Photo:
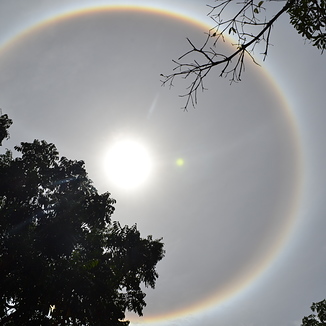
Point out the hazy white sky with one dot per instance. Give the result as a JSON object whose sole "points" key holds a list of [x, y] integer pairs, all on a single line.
{"points": [[243, 218]]}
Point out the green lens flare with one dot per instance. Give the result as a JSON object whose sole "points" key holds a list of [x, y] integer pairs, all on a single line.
{"points": [[180, 162]]}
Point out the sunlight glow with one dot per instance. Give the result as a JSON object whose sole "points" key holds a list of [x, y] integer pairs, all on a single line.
{"points": [[128, 164]]}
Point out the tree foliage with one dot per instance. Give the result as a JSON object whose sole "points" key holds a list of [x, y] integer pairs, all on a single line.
{"points": [[318, 318], [63, 261], [309, 19], [251, 24]]}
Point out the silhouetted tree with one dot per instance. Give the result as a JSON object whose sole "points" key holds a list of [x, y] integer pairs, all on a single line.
{"points": [[62, 260], [318, 319], [250, 23]]}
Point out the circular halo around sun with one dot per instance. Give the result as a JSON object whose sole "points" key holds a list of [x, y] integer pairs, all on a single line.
{"points": [[128, 164]]}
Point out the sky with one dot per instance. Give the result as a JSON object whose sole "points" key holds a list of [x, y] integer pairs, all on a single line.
{"points": [[235, 187]]}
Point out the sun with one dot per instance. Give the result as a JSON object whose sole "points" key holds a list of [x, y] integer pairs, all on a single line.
{"points": [[128, 164]]}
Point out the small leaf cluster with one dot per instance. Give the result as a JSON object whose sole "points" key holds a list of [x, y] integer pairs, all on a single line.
{"points": [[309, 19], [259, 5], [318, 318], [5, 123]]}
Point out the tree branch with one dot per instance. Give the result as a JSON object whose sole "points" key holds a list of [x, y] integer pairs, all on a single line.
{"points": [[197, 71]]}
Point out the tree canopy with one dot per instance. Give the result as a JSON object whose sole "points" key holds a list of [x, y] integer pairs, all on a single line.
{"points": [[251, 24], [63, 261]]}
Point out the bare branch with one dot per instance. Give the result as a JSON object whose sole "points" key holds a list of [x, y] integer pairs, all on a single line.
{"points": [[233, 65]]}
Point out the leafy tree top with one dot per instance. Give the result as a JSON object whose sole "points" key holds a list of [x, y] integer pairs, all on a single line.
{"points": [[63, 260]]}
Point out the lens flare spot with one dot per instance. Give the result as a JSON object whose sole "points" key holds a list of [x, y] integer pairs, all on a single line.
{"points": [[180, 162]]}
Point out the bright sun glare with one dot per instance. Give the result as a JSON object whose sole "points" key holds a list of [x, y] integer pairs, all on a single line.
{"points": [[128, 164]]}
